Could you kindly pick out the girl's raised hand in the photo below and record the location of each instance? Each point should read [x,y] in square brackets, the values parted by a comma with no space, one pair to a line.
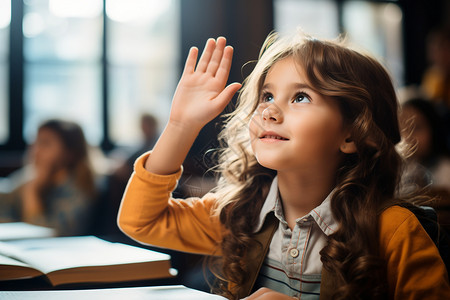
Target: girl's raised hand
[201,94]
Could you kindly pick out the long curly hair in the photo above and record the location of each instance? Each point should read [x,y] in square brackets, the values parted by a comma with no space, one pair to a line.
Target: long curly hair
[365,180]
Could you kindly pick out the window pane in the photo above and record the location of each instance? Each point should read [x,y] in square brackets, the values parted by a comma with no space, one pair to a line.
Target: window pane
[62,49]
[378,28]
[63,91]
[143,45]
[317,18]
[5,19]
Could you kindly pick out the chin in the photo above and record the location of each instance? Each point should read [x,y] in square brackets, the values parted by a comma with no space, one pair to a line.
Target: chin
[267,163]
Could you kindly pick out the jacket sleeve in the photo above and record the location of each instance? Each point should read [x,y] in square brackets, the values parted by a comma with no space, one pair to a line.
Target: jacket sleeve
[415,268]
[150,215]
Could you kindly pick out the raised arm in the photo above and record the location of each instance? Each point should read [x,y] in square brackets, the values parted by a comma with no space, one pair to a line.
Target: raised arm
[147,213]
[201,95]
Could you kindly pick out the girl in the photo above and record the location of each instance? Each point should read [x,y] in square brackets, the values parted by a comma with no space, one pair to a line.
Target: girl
[60,193]
[318,153]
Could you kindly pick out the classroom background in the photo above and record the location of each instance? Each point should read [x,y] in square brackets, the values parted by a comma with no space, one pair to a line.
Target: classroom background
[111,66]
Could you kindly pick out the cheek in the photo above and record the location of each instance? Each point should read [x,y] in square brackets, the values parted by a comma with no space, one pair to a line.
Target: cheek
[254,127]
[52,156]
[319,135]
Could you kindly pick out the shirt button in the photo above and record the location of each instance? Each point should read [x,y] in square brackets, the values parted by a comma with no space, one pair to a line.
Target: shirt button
[293,252]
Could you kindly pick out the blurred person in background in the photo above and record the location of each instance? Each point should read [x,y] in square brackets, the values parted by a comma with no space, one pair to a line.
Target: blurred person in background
[423,131]
[57,188]
[427,169]
[436,79]
[149,130]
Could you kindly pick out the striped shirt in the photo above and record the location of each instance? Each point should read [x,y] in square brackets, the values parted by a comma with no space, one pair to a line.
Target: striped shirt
[293,265]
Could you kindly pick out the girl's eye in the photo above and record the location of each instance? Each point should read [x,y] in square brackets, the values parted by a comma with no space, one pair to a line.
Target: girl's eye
[267,97]
[301,98]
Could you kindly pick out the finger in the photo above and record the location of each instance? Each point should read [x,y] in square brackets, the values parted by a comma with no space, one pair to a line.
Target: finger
[226,95]
[191,60]
[225,64]
[206,55]
[216,56]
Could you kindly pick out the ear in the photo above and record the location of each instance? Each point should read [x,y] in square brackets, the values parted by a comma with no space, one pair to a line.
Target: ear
[348,146]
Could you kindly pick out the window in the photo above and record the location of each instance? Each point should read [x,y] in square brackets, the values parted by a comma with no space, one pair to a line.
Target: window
[69,44]
[317,18]
[142,57]
[5,20]
[378,28]
[62,52]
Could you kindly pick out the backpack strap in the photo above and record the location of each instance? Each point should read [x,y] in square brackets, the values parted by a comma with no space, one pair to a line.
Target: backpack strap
[256,255]
[428,218]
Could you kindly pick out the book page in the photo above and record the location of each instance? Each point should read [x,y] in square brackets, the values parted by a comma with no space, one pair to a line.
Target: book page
[7,261]
[153,293]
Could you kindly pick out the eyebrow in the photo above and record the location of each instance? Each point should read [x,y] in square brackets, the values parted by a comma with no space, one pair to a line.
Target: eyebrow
[295,85]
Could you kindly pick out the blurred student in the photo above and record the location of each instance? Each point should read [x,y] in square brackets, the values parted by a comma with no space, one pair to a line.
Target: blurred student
[429,163]
[436,79]
[57,188]
[149,130]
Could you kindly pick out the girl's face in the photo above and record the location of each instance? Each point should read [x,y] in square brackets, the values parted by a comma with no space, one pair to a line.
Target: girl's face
[48,151]
[294,128]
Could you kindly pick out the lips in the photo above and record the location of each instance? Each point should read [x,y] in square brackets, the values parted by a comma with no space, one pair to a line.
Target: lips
[268,135]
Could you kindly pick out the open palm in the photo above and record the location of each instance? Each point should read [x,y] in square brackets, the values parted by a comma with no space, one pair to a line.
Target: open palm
[201,94]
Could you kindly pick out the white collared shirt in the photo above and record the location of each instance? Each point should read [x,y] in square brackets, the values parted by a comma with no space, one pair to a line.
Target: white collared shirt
[293,265]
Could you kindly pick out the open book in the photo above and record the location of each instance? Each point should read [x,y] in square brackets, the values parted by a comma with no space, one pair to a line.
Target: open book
[84,259]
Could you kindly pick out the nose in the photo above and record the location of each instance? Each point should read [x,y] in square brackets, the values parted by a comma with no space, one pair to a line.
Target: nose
[272,113]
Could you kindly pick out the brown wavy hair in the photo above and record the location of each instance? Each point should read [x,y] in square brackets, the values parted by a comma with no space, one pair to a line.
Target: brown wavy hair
[365,180]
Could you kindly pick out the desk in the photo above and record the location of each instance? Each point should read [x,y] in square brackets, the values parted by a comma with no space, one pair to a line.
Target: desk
[139,293]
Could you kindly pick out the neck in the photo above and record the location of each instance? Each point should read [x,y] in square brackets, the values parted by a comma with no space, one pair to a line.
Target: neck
[302,193]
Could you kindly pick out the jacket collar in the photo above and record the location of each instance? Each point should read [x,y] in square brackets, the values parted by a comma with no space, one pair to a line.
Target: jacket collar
[321,214]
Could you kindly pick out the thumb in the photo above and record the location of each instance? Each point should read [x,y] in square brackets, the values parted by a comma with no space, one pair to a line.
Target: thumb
[227,94]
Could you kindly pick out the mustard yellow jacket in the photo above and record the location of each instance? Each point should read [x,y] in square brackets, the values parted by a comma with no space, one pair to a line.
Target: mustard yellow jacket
[150,215]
